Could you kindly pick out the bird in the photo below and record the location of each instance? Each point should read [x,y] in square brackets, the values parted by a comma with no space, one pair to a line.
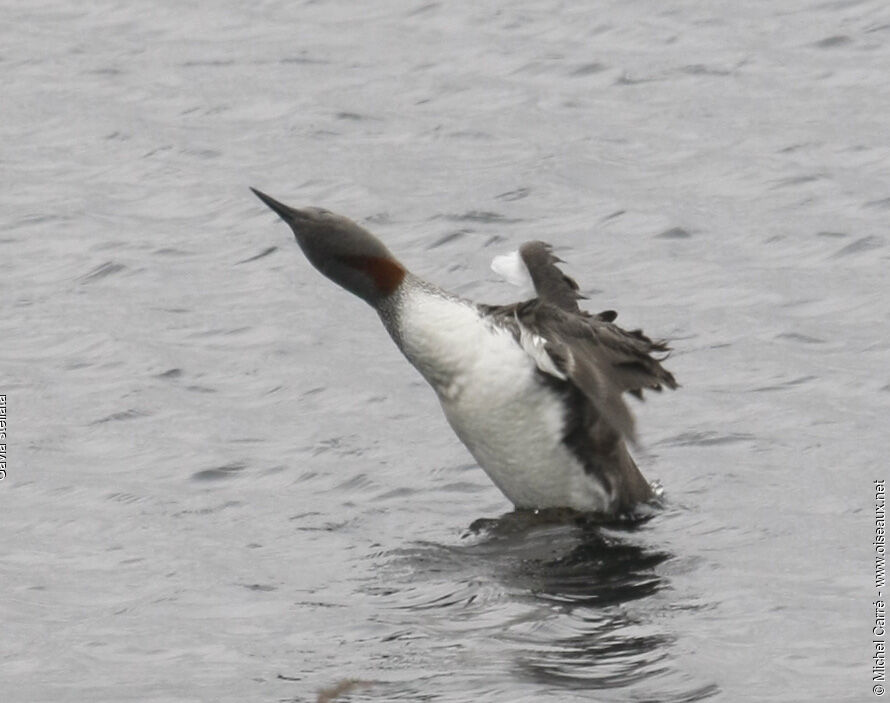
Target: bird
[533,389]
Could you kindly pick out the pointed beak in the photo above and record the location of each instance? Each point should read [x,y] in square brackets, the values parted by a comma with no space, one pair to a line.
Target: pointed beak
[285,212]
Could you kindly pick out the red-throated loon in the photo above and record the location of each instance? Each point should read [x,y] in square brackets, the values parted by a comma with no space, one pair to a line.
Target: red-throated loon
[533,389]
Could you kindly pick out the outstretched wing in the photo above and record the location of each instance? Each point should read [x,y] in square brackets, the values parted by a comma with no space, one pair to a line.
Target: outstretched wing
[551,284]
[597,356]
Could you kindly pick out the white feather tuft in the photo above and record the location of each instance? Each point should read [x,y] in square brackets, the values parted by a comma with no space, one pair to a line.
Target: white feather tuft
[536,347]
[512,269]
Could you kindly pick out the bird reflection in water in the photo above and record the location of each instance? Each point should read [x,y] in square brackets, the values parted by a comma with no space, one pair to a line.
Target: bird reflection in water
[600,622]
[548,598]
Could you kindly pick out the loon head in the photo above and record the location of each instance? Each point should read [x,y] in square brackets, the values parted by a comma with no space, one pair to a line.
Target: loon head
[343,251]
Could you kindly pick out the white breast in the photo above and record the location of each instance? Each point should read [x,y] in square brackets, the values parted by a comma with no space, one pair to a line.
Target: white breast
[488,387]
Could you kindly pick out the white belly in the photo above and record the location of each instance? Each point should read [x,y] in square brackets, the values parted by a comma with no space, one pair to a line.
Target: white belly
[487,384]
[514,431]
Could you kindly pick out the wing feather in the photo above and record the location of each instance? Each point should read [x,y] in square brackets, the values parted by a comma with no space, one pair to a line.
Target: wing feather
[589,351]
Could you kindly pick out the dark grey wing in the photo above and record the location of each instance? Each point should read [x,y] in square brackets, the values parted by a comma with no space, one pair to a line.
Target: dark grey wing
[598,357]
[632,357]
[551,284]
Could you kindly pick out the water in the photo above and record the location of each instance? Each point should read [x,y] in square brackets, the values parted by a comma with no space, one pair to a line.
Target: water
[226,484]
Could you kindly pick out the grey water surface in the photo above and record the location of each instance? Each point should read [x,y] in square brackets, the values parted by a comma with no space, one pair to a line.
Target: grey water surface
[225,484]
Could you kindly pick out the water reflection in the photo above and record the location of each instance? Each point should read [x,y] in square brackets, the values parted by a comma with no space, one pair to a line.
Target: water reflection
[586,574]
[565,558]
[604,627]
[562,602]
